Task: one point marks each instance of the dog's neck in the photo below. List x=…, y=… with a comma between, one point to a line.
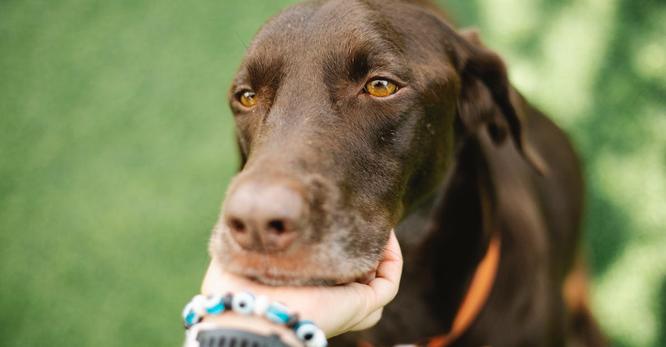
x=412, y=231
x=446, y=237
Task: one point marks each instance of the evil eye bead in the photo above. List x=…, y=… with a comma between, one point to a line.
x=214, y=304
x=311, y=335
x=260, y=305
x=243, y=303
x=277, y=313
x=318, y=340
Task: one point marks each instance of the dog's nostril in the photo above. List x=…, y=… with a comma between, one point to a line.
x=276, y=226
x=237, y=225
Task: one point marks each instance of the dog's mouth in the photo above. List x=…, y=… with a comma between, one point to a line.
x=270, y=275
x=320, y=264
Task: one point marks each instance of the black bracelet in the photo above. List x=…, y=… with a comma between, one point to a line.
x=237, y=338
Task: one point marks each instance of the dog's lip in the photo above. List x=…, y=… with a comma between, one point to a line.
x=266, y=274
x=293, y=280
x=269, y=274
x=272, y=277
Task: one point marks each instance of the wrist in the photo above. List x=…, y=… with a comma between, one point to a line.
x=254, y=325
x=203, y=336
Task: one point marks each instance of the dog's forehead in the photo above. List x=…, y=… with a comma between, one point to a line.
x=314, y=29
x=306, y=34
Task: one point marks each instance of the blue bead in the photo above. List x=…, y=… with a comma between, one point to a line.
x=214, y=304
x=191, y=318
x=217, y=309
x=277, y=314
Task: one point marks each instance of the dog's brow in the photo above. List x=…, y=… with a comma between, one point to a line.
x=370, y=57
x=358, y=65
x=262, y=71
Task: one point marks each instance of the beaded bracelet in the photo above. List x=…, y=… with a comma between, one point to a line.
x=246, y=303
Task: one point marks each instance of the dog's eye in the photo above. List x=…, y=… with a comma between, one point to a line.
x=381, y=88
x=247, y=98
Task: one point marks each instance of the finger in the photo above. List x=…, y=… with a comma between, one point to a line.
x=389, y=272
x=392, y=250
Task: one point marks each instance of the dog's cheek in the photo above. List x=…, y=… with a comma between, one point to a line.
x=324, y=209
x=368, y=241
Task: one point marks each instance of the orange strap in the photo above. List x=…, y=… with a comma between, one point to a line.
x=475, y=298
x=477, y=294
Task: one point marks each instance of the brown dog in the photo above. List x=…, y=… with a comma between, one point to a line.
x=354, y=117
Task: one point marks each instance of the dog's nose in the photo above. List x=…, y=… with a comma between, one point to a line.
x=264, y=217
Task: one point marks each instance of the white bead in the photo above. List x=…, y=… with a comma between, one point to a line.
x=311, y=335
x=199, y=305
x=260, y=305
x=318, y=340
x=243, y=303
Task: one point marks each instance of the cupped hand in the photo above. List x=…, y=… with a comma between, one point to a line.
x=336, y=309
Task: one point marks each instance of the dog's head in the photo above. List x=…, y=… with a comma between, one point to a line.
x=347, y=115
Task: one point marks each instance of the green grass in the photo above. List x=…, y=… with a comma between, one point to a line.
x=116, y=146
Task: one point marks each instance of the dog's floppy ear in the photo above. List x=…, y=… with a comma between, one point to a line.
x=487, y=100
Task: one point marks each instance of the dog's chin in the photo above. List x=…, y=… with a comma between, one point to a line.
x=301, y=279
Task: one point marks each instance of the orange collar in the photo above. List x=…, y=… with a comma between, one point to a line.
x=474, y=300
x=477, y=294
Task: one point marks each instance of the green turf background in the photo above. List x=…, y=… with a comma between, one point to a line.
x=116, y=146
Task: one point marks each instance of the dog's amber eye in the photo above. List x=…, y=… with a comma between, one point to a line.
x=381, y=88
x=247, y=98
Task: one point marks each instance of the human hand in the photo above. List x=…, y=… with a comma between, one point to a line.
x=336, y=310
